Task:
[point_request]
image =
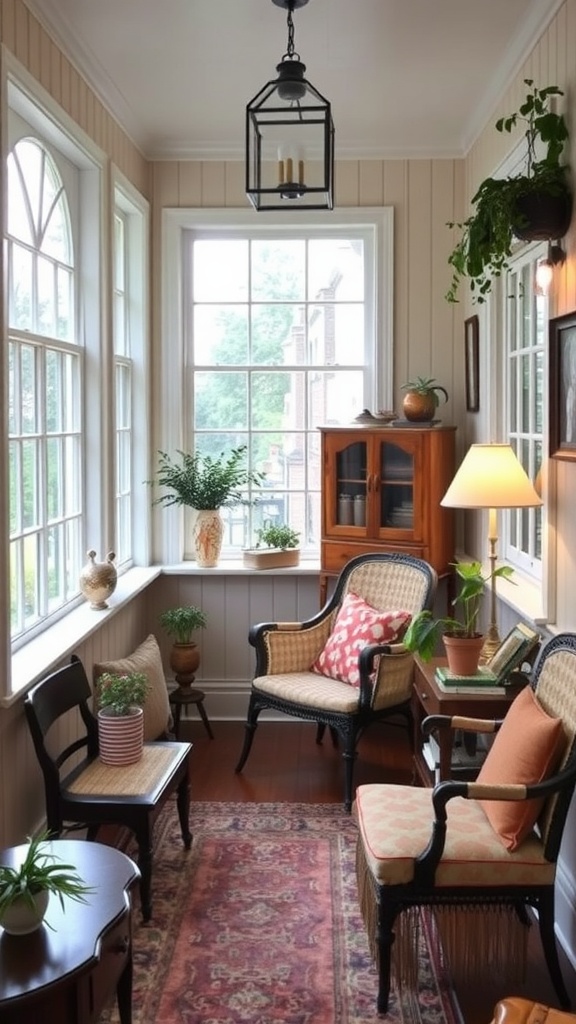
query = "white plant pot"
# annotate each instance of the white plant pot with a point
(21, 919)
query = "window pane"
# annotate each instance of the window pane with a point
(220, 271)
(278, 335)
(278, 269)
(334, 397)
(220, 335)
(221, 399)
(20, 288)
(336, 269)
(277, 399)
(28, 380)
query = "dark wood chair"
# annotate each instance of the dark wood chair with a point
(93, 794)
(445, 849)
(285, 652)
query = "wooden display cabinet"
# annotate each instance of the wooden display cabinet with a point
(381, 491)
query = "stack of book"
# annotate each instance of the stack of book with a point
(485, 681)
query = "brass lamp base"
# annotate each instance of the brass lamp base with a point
(490, 645)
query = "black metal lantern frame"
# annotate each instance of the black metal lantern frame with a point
(290, 138)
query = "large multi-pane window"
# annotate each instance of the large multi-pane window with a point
(45, 370)
(526, 323)
(280, 338)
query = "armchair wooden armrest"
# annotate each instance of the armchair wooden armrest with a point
(427, 862)
(461, 722)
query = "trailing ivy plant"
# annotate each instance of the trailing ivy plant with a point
(485, 245)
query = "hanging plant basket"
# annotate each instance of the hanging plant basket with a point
(542, 217)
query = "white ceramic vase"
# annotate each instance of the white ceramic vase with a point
(208, 533)
(98, 580)
(21, 919)
(120, 737)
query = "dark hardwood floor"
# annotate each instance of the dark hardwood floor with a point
(286, 764)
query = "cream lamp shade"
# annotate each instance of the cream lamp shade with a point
(491, 476)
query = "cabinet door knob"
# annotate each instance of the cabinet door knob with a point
(423, 696)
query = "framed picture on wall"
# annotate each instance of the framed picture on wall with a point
(562, 385)
(471, 364)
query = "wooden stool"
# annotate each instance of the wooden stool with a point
(181, 698)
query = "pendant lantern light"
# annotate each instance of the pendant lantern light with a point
(290, 137)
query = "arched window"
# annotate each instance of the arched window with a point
(45, 377)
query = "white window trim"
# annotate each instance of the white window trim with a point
(137, 210)
(167, 523)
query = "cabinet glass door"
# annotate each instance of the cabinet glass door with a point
(351, 476)
(396, 487)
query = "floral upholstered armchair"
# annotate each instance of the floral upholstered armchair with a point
(478, 853)
(346, 667)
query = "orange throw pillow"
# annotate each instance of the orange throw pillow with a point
(356, 625)
(526, 749)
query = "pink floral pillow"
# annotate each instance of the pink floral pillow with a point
(357, 624)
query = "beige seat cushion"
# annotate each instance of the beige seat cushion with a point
(146, 658)
(312, 690)
(395, 825)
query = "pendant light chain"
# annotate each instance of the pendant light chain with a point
(290, 53)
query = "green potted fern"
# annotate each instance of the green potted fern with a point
(533, 205)
(207, 484)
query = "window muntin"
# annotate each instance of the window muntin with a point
(280, 339)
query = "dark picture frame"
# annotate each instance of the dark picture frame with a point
(562, 387)
(472, 364)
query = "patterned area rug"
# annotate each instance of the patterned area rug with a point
(259, 924)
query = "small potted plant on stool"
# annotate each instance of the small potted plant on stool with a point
(180, 624)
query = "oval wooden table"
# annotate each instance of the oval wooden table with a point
(69, 974)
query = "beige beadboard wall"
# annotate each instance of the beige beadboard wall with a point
(23, 35)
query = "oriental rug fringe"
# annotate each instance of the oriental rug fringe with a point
(259, 923)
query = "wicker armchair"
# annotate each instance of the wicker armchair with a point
(444, 849)
(285, 652)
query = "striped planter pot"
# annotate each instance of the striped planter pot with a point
(120, 737)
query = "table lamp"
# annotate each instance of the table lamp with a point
(491, 477)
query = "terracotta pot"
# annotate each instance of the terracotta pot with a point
(184, 660)
(120, 737)
(418, 408)
(463, 653)
(208, 533)
(22, 919)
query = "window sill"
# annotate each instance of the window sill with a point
(47, 650)
(235, 567)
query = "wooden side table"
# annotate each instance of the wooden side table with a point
(429, 699)
(69, 974)
(181, 698)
